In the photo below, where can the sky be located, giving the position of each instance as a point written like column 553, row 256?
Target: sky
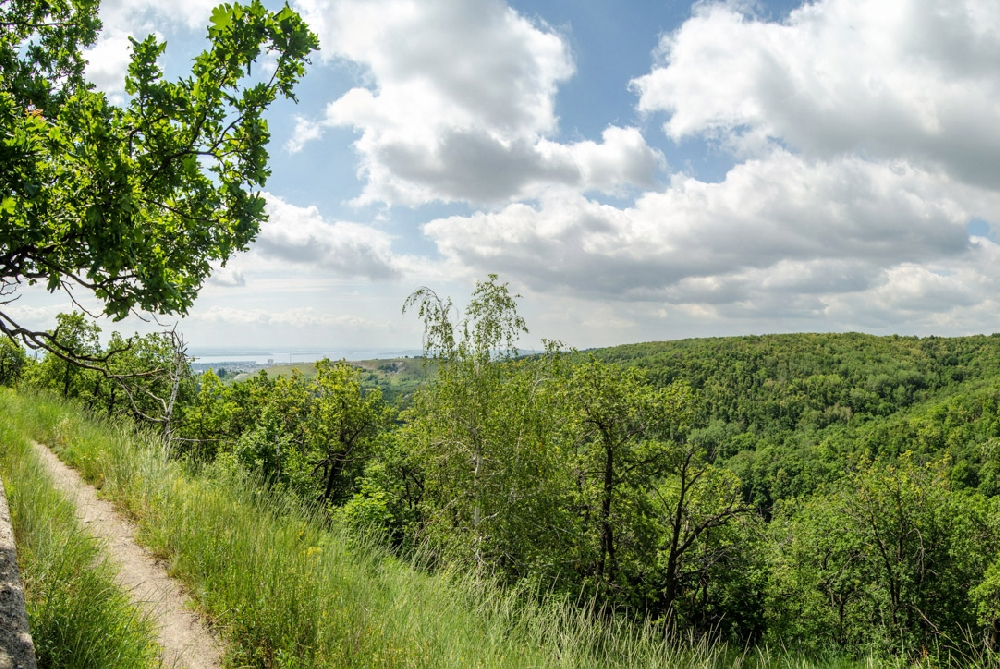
column 635, row 170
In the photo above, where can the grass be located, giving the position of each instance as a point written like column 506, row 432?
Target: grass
column 288, row 590
column 396, row 377
column 79, row 617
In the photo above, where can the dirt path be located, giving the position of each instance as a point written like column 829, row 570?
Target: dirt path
column 187, row 643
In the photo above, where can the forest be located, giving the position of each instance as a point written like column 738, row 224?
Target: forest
column 824, row 492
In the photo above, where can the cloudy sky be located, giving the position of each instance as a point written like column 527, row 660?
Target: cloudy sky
column 636, row 170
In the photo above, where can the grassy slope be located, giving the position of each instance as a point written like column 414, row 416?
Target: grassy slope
column 78, row 616
column 396, row 377
column 289, row 591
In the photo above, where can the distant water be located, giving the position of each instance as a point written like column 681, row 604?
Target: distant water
column 216, row 356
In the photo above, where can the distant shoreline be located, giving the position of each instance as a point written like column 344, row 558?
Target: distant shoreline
column 278, row 357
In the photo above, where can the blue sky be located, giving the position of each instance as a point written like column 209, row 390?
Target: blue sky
column 636, row 170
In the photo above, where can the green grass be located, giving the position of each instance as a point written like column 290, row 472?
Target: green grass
column 307, row 369
column 77, row 614
column 287, row 590
column 397, row 377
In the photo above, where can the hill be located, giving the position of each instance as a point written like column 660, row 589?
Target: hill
column 397, row 378
column 790, row 412
column 827, row 492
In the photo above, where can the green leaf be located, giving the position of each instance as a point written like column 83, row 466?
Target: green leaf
column 222, row 18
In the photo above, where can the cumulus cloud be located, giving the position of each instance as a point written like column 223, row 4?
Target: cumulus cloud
column 461, row 104
column 227, row 277
column 300, row 235
column 866, row 135
column 780, row 236
column 911, row 79
column 35, row 316
column 108, row 61
column 918, row 289
column 768, row 214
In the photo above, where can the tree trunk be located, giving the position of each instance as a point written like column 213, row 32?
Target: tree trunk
column 330, row 474
column 607, row 533
column 673, row 557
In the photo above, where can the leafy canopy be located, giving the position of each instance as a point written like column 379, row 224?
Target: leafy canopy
column 133, row 204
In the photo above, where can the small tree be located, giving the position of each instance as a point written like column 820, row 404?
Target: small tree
column 77, row 336
column 345, row 420
column 697, row 504
column 464, row 396
column 154, row 375
column 12, row 361
column 481, row 443
column 630, row 440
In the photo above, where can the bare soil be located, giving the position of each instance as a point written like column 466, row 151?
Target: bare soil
column 187, row 642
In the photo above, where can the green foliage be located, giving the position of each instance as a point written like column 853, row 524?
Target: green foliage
column 986, row 594
column 476, row 459
column 146, row 378
column 578, row 479
column 720, row 487
column 837, row 493
column 288, row 588
column 313, row 435
column 135, row 203
column 884, row 562
column 787, row 413
column 396, row 379
column 343, row 426
column 13, row 362
column 79, row 616
column 76, row 334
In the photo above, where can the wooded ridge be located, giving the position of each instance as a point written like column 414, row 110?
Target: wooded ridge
column 827, row 491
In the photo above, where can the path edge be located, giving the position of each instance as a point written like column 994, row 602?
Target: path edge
column 17, row 651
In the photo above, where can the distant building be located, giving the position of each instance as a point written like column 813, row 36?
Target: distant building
column 270, row 361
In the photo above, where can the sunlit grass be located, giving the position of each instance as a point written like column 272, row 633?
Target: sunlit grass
column 79, row 617
column 288, row 590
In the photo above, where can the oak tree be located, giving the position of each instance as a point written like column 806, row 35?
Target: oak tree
column 132, row 204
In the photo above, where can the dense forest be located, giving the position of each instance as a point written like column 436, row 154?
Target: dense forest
column 829, row 492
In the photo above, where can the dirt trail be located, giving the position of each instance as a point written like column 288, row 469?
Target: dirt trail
column 187, row 643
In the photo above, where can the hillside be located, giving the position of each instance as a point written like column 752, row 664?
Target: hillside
column 825, row 492
column 788, row 412
column 397, row 378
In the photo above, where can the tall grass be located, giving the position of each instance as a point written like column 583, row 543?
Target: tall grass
column 79, row 617
column 288, row 590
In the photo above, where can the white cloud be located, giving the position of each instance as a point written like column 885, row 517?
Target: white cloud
column 299, row 235
column 37, row 316
column 108, row 61
column 911, row 79
column 782, row 236
column 461, row 104
column 227, row 277
column 782, row 208
column 866, row 135
column 305, row 131
column 869, row 137
column 918, row 290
